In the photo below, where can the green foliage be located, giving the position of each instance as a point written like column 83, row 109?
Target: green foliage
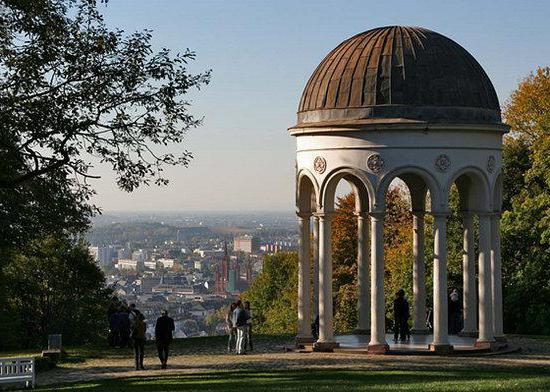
column 53, row 286
column 525, row 226
column 273, row 294
column 71, row 88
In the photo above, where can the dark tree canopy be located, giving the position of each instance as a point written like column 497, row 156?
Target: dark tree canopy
column 72, row 89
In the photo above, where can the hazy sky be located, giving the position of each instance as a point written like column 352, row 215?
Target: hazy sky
column 263, row 52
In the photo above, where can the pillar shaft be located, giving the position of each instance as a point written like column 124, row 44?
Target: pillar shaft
column 484, row 268
column 496, row 276
column 315, row 266
column 363, row 299
column 440, row 311
column 377, row 318
column 419, row 274
column 326, row 333
column 469, row 276
column 304, row 312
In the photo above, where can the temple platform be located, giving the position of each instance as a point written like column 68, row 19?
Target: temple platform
column 418, row 345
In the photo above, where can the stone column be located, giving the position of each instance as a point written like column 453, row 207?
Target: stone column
column 377, row 344
column 326, row 340
column 469, row 277
column 363, row 299
column 419, row 275
column 486, row 336
column 440, row 311
column 496, row 274
column 315, row 266
column 304, row 311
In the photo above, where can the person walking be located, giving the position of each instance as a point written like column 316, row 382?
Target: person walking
column 248, row 335
column 231, row 330
column 401, row 317
column 138, row 336
column 239, row 322
column 163, row 336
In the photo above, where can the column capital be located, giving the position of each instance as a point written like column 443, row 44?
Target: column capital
column 418, row 213
column 466, row 214
column 485, row 214
column 377, row 215
column 440, row 214
column 324, row 215
column 303, row 215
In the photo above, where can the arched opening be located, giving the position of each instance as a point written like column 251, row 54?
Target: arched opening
column 469, row 254
column 406, row 200
column 351, row 271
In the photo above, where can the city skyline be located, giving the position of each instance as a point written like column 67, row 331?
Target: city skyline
column 261, row 56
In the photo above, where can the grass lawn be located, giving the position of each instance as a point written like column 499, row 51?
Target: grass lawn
column 326, row 380
column 209, row 345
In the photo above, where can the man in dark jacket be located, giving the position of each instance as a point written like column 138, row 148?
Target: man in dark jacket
column 163, row 336
column 401, row 317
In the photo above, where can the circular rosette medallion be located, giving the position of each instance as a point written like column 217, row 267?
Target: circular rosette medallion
column 442, row 163
column 319, row 165
column 375, row 163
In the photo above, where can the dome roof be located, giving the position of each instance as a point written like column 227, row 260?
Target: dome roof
column 398, row 74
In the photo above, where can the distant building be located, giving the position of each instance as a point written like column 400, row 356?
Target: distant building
column 150, row 264
column 103, row 255
column 278, row 246
column 166, row 263
column 139, row 255
column 232, row 281
column 124, row 253
column 245, row 243
column 127, row 265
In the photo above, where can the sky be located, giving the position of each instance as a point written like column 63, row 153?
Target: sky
column 262, row 53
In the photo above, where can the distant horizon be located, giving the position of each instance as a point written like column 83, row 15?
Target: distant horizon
column 261, row 55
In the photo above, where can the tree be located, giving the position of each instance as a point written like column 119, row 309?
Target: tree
column 70, row 89
column 526, row 215
column 273, row 295
column 54, row 286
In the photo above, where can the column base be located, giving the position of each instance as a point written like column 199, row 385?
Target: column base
column 300, row 341
column 487, row 345
column 325, row 347
column 420, row 331
column 468, row 334
column 378, row 349
column 359, row 331
column 441, row 348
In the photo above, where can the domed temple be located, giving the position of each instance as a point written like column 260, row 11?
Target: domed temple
column 407, row 103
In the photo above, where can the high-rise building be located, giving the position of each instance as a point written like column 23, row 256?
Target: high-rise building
column 245, row 243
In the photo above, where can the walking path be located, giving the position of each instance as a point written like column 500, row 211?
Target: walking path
column 534, row 353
